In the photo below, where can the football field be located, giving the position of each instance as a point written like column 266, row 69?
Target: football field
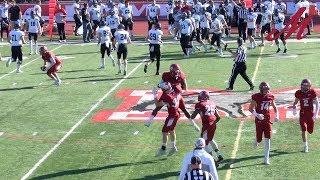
column 92, row 126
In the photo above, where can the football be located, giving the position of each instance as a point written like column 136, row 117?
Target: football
column 43, row 68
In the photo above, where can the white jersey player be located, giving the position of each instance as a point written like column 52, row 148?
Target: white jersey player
column 154, row 38
column 34, row 28
column 216, row 29
column 123, row 38
column 113, row 21
column 251, row 19
column 16, row 39
column 104, row 37
column 265, row 23
column 278, row 20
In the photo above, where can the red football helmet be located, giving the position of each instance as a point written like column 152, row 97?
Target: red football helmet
column 175, row 70
column 165, row 86
column 203, row 96
column 305, row 85
column 264, row 86
column 43, row 49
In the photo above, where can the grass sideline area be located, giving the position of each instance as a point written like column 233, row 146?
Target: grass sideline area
column 35, row 115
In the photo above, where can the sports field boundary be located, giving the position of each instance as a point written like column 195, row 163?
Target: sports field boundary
column 29, row 173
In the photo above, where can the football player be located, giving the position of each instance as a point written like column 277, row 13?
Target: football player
column 153, row 12
column 171, row 99
column 252, row 18
column 260, row 108
column 34, row 28
column 209, row 116
column 186, row 28
column 278, row 21
column 104, row 37
column 95, row 16
column 123, row 38
column 178, row 82
column 126, row 14
column 216, row 28
column 54, row 66
column 265, row 23
column 169, row 10
column 154, row 37
column 16, row 40
column 306, row 96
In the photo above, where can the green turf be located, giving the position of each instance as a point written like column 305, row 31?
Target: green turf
column 28, row 106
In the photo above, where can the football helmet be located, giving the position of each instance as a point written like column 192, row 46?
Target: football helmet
column 240, row 41
column 120, row 26
column 305, row 85
column 203, row 96
column 250, row 10
column 184, row 16
column 43, row 49
column 188, row 14
column 102, row 23
column 165, row 86
column 157, row 26
column 112, row 13
column 264, row 86
column 175, row 70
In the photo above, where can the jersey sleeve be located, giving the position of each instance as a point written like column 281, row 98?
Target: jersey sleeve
column 197, row 106
column 314, row 93
column 297, row 95
column 182, row 75
column 254, row 97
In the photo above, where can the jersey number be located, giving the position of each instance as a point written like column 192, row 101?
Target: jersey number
column 14, row 37
column 123, row 37
column 305, row 102
column 264, row 106
column 210, row 110
column 153, row 36
column 175, row 103
column 33, row 23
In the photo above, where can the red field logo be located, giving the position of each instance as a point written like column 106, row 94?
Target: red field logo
column 137, row 105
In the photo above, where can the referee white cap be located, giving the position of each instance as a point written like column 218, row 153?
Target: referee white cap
column 200, row 143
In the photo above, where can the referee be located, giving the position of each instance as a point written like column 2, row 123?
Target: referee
column 196, row 172
column 239, row 66
column 242, row 19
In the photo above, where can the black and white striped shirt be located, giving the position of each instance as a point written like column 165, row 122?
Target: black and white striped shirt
column 198, row 174
column 242, row 56
column 242, row 13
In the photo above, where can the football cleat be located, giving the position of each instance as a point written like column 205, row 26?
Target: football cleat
column 157, row 73
column 145, row 68
column 119, row 72
column 220, row 158
column 278, row 50
column 251, row 88
column 229, row 89
column 255, row 144
column 160, row 152
column 285, row 51
column 172, row 151
column 19, row 71
column 306, row 149
column 225, row 46
column 8, row 62
column 266, row 161
column 262, row 44
column 124, row 73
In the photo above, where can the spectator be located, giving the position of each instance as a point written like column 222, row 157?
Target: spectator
column 4, row 18
column 14, row 14
column 87, row 28
column 208, row 163
column 76, row 16
column 60, row 18
column 196, row 172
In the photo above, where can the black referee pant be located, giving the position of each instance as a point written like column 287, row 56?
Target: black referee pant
column 184, row 41
column 242, row 29
column 239, row 68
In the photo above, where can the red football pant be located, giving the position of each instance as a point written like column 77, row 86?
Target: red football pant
column 170, row 124
column 306, row 123
column 263, row 127
column 208, row 133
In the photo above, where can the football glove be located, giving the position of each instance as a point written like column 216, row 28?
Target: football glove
column 294, row 111
column 259, row 116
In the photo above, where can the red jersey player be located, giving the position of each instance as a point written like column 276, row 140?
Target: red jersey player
column 171, row 99
column 178, row 82
column 306, row 96
column 260, row 108
column 54, row 66
column 209, row 116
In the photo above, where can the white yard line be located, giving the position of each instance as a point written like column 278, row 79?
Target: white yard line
column 28, row 174
column 1, row 77
column 236, row 143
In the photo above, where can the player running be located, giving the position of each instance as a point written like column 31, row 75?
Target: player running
column 54, row 66
column 104, row 37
